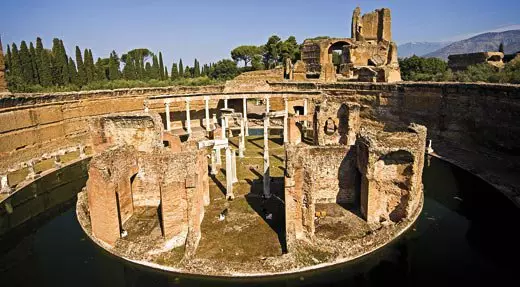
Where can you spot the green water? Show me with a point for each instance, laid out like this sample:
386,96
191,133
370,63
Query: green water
465,235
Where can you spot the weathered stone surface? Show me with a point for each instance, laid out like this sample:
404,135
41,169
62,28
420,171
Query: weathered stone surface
140,130
391,167
370,47
176,182
109,192
461,62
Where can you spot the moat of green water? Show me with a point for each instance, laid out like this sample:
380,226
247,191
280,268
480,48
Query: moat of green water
466,234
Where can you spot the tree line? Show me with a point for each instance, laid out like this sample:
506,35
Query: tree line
35,68
274,52
436,70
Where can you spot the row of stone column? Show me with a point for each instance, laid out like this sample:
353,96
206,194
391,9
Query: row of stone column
207,120
31,174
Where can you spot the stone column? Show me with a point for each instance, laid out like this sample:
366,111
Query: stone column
215,121
244,116
219,157
57,161
145,105
206,107
267,177
234,165
188,117
223,127
214,169
305,103
285,134
31,175
168,122
82,154
4,184
226,102
242,139
229,174
267,104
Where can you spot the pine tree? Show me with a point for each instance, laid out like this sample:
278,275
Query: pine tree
34,64
155,73
26,65
181,69
174,72
74,76
113,67
44,66
15,70
161,67
82,74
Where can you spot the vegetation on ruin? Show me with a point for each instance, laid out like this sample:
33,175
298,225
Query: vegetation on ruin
436,70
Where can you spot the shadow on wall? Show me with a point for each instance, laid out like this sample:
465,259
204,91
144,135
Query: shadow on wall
349,184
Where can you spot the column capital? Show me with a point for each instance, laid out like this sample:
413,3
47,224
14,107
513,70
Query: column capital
187,99
206,98
167,103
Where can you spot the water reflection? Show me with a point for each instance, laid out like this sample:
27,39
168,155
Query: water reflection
466,234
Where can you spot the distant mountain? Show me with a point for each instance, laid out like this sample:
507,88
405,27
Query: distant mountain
419,48
481,43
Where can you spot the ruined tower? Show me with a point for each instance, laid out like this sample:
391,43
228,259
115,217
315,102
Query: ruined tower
3,83
369,55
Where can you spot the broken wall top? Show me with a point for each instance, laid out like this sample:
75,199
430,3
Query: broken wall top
376,25
143,131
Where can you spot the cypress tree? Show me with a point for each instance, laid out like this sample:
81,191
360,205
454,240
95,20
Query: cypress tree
64,64
8,58
139,71
113,66
26,65
90,70
44,66
188,72
82,74
197,68
15,71
155,72
74,77
165,73
34,63
56,64
174,72
161,67
181,69
129,71
148,71
100,69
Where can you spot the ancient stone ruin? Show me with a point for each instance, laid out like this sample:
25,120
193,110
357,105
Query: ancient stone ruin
148,190
461,62
369,55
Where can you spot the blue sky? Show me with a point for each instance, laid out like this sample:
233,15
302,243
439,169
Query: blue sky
209,29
